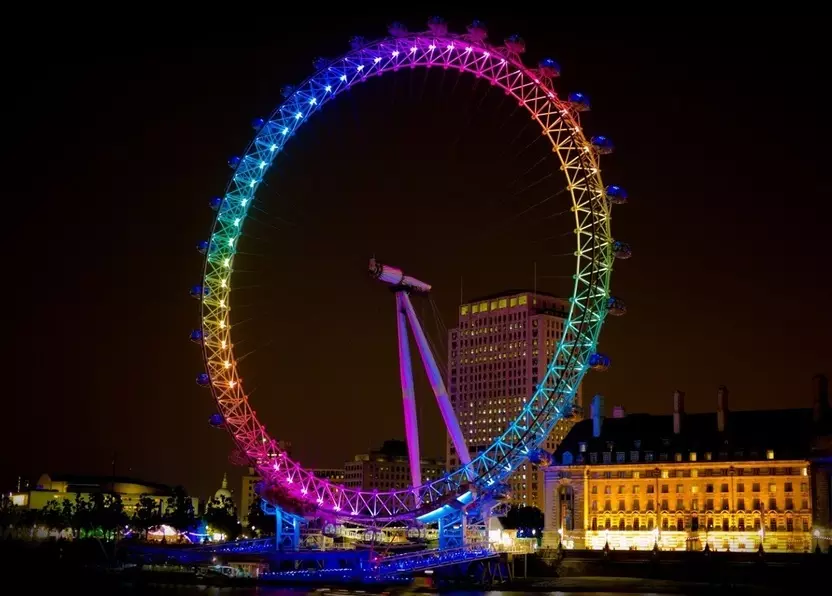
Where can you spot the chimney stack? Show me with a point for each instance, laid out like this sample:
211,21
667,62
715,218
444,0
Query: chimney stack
618,412
820,398
678,410
597,409
721,407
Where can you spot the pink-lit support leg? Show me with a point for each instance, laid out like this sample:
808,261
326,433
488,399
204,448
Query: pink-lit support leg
436,383
411,427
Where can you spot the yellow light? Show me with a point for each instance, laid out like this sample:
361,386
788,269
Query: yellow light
223,344
223,283
226,364
222,324
226,263
232,383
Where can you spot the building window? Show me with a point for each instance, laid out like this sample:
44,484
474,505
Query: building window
648,456
582,447
635,524
772,524
619,457
678,457
593,458
770,454
707,456
788,487
692,456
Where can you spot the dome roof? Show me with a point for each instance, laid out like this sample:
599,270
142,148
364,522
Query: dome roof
223,491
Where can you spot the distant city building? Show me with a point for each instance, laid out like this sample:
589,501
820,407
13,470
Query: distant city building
250,480
497,356
334,475
387,468
731,480
66,486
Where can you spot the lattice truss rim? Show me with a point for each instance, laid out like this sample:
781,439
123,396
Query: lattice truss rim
588,305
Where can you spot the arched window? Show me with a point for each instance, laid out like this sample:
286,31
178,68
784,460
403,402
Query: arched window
635,524
567,458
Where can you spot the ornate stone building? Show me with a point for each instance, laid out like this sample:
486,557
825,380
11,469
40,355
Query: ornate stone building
732,480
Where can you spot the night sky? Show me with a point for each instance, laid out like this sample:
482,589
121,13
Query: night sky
118,141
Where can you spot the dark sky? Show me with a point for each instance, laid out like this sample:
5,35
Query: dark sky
118,140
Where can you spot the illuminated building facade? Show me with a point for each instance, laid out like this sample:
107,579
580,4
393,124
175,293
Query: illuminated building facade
387,468
497,354
66,486
250,480
731,480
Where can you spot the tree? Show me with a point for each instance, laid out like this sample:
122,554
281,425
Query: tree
81,516
179,512
221,517
57,515
258,521
113,518
524,519
147,515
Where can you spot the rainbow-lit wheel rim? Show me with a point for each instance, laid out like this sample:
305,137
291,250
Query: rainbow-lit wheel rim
594,254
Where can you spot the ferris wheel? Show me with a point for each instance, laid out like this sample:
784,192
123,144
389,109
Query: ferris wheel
486,471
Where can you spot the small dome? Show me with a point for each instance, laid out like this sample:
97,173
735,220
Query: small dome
223,491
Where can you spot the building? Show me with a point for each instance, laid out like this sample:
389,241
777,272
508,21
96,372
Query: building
66,486
249,481
334,475
497,355
731,480
387,468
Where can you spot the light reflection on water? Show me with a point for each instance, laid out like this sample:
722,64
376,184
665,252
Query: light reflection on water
273,591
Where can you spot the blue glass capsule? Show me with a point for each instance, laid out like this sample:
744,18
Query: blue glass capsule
437,25
203,380
216,203
287,90
616,194
540,457
196,336
204,246
477,30
515,44
257,123
599,362
621,250
320,63
602,145
216,420
616,306
579,101
357,41
234,162
397,29
549,68
199,292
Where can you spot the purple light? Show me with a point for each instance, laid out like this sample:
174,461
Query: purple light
411,426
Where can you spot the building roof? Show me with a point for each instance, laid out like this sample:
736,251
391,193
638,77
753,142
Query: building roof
99,482
506,293
748,435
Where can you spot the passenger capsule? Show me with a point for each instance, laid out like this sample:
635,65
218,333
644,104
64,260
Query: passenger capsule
203,380
287,90
438,26
320,63
216,420
602,145
397,29
616,194
357,42
199,292
515,44
579,101
549,68
234,162
621,250
216,203
540,457
616,306
478,31
501,491
257,123
196,336
599,362
204,246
